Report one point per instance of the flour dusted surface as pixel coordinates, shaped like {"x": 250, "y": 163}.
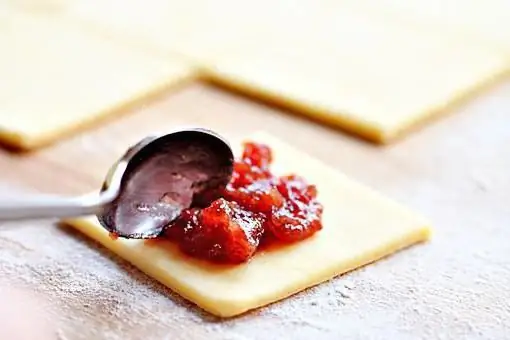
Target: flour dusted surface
{"x": 397, "y": 298}
{"x": 455, "y": 287}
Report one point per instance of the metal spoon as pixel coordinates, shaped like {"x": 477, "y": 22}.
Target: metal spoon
{"x": 145, "y": 189}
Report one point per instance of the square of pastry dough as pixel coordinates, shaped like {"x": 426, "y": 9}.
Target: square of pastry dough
{"x": 196, "y": 29}
{"x": 481, "y": 21}
{"x": 57, "y": 78}
{"x": 359, "y": 72}
{"x": 39, "y": 7}
{"x": 359, "y": 227}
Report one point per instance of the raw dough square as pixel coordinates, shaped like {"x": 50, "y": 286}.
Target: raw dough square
{"x": 56, "y": 78}
{"x": 196, "y": 29}
{"x": 368, "y": 75}
{"x": 39, "y": 7}
{"x": 475, "y": 20}
{"x": 360, "y": 226}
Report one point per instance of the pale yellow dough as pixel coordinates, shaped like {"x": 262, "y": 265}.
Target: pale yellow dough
{"x": 56, "y": 78}
{"x": 360, "y": 226}
{"x": 39, "y": 7}
{"x": 474, "y": 20}
{"x": 363, "y": 73}
{"x": 197, "y": 29}
{"x": 349, "y": 64}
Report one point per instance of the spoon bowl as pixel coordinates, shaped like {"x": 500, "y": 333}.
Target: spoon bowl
{"x": 147, "y": 188}
{"x": 159, "y": 177}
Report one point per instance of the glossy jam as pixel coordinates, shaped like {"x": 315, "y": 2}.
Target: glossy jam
{"x": 256, "y": 207}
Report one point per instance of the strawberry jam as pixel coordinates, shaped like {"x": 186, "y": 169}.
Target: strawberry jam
{"x": 256, "y": 205}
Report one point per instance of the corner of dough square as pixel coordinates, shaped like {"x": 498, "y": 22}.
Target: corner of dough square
{"x": 375, "y": 78}
{"x": 57, "y": 79}
{"x": 359, "y": 227}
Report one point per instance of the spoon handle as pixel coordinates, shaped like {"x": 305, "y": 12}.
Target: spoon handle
{"x": 42, "y": 207}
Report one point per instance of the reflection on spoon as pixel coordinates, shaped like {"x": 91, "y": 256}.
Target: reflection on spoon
{"x": 164, "y": 178}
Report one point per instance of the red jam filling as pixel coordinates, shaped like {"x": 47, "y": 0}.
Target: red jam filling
{"x": 256, "y": 206}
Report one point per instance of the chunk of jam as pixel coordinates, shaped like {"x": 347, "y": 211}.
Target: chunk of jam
{"x": 255, "y": 205}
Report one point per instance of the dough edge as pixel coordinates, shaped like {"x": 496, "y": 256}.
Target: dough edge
{"x": 27, "y": 142}
{"x": 344, "y": 120}
{"x": 229, "y": 307}
{"x": 226, "y": 308}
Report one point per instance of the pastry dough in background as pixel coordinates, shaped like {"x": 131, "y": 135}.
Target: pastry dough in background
{"x": 43, "y": 7}
{"x": 359, "y": 72}
{"x": 360, "y": 227}
{"x": 56, "y": 78}
{"x": 476, "y": 21}
{"x": 374, "y": 70}
{"x": 197, "y": 29}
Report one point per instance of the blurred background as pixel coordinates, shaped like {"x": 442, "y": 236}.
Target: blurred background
{"x": 77, "y": 74}
{"x": 409, "y": 97}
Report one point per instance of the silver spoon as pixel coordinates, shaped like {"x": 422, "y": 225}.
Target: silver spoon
{"x": 145, "y": 189}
